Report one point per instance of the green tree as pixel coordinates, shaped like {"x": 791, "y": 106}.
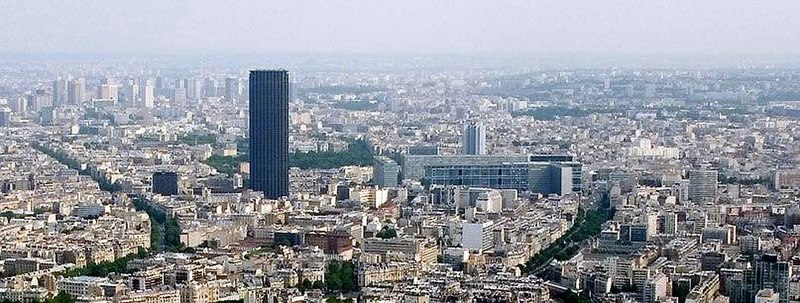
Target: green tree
{"x": 587, "y": 225}
{"x": 340, "y": 276}
{"x": 8, "y": 214}
{"x": 359, "y": 152}
{"x": 62, "y": 297}
{"x": 386, "y": 233}
{"x": 305, "y": 285}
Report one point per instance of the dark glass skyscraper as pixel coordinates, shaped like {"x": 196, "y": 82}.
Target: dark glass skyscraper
{"x": 269, "y": 132}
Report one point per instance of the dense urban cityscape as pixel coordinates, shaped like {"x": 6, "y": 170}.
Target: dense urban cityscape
{"x": 399, "y": 151}
{"x": 610, "y": 185}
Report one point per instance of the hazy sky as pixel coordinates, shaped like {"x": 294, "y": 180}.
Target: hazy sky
{"x": 429, "y": 26}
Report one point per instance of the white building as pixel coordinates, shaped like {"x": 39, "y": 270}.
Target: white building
{"x": 477, "y": 236}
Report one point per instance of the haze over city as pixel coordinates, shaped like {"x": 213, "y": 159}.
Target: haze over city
{"x": 415, "y": 26}
{"x": 399, "y": 151}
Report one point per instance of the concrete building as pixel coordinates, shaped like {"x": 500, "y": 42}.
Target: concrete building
{"x": 60, "y": 93}
{"x": 702, "y": 185}
{"x": 151, "y": 296}
{"x": 768, "y": 271}
{"x": 385, "y": 172}
{"x": 423, "y": 150}
{"x": 233, "y": 89}
{"x": 474, "y": 139}
{"x": 5, "y": 117}
{"x": 76, "y": 91}
{"x": 477, "y": 236}
{"x": 767, "y": 296}
{"x": 414, "y": 165}
{"x": 85, "y": 286}
{"x": 147, "y": 96}
{"x": 655, "y": 289}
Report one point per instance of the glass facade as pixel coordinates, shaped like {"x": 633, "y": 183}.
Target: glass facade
{"x": 544, "y": 178}
{"x": 269, "y": 132}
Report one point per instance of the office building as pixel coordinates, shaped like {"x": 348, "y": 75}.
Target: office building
{"x": 178, "y": 96}
{"x": 732, "y": 280}
{"x": 269, "y": 132}
{"x": 160, "y": 85}
{"x": 474, "y": 140}
{"x": 108, "y": 92}
{"x": 551, "y": 158}
{"x": 712, "y": 260}
{"x": 724, "y": 235}
{"x": 768, "y": 271}
{"x": 130, "y": 92}
{"x": 702, "y": 185}
{"x": 331, "y": 242}
{"x": 406, "y": 246}
{"x": 210, "y": 87}
{"x": 39, "y": 100}
{"x": 477, "y": 236}
{"x": 749, "y": 244}
{"x": 19, "y": 105}
{"x": 489, "y": 201}
{"x": 414, "y": 165}
{"x": 5, "y": 116}
{"x": 194, "y": 89}
{"x": 564, "y": 159}
{"x": 60, "y": 92}
{"x": 385, "y": 172}
{"x": 233, "y": 89}
{"x": 83, "y": 286}
{"x": 539, "y": 177}
{"x": 165, "y": 183}
{"x": 423, "y": 150}
{"x": 342, "y": 192}
{"x": 147, "y": 95}
{"x": 76, "y": 91}
{"x": 638, "y": 233}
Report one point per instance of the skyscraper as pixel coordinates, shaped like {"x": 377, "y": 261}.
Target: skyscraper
{"x": 210, "y": 87}
{"x": 5, "y": 116}
{"x": 59, "y": 92}
{"x": 474, "y": 139}
{"x": 76, "y": 91}
{"x": 269, "y": 132}
{"x": 194, "y": 89}
{"x": 19, "y": 106}
{"x": 179, "y": 92}
{"x": 147, "y": 95}
{"x": 702, "y": 185}
{"x": 130, "y": 92}
{"x": 108, "y": 90}
{"x": 233, "y": 89}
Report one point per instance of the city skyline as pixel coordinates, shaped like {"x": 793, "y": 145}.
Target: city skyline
{"x": 400, "y": 151}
